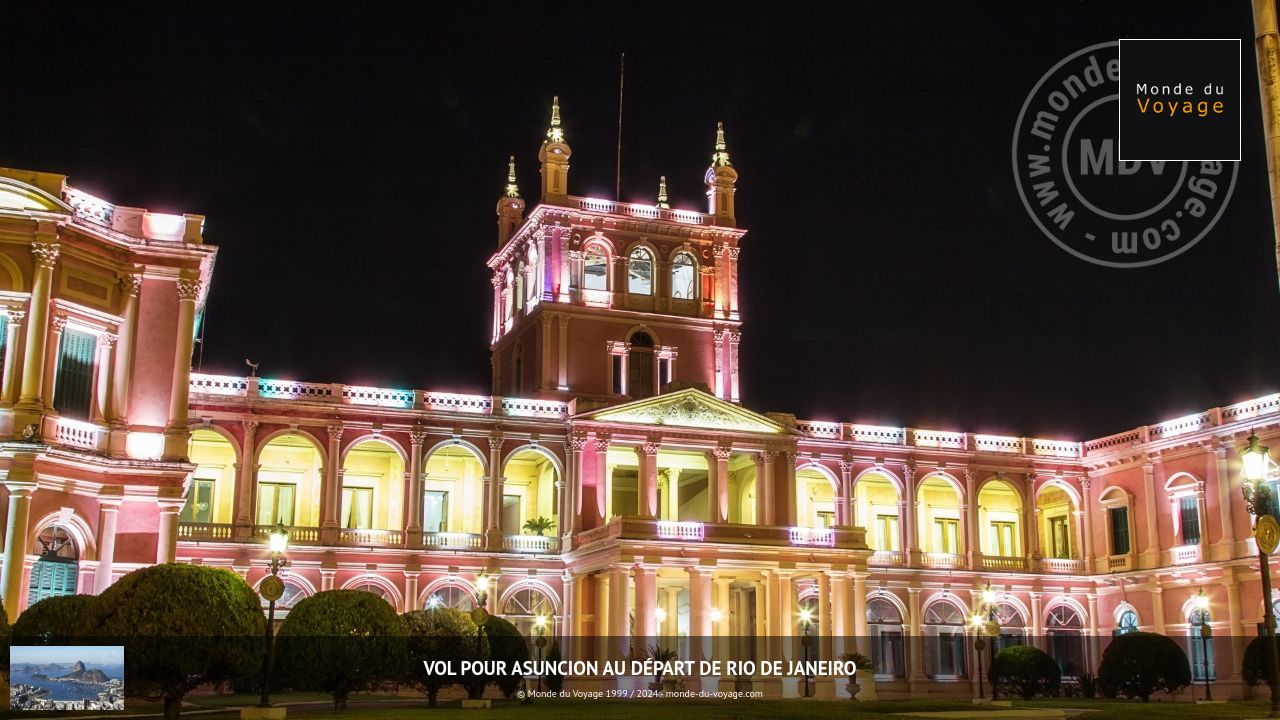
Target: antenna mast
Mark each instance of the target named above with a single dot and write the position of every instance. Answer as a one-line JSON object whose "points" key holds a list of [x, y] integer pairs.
{"points": [[617, 177]]}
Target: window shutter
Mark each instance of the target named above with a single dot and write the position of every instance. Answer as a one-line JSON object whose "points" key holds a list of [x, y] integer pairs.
{"points": [[1190, 520], [73, 389]]}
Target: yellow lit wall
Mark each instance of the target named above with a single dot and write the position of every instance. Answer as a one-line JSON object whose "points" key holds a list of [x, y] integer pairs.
{"points": [[530, 475], [876, 495], [375, 464], [938, 500], [999, 502], [814, 494], [457, 471], [293, 459], [216, 460]]}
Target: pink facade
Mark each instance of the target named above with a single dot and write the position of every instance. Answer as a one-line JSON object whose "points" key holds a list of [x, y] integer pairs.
{"points": [[674, 512]]}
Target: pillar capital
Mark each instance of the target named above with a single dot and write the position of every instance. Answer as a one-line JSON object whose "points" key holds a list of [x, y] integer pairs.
{"points": [[188, 290], [20, 489], [131, 283], [45, 254], [16, 316], [417, 436], [107, 340], [335, 433]]}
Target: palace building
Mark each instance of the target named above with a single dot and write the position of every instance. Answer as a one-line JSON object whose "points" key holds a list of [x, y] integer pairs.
{"points": [[613, 481]]}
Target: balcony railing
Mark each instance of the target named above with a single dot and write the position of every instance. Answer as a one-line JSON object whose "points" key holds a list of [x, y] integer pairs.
{"points": [[1185, 555], [1119, 563], [531, 544], [210, 388], [453, 541], [1001, 562], [205, 531], [1064, 566], [812, 536], [887, 558], [944, 561], [299, 535], [370, 538], [74, 434]]}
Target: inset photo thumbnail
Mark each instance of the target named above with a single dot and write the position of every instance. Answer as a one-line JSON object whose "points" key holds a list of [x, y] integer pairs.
{"points": [[73, 677]]}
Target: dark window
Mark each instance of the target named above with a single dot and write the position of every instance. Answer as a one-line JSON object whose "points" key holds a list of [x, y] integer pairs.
{"points": [[517, 372], [617, 374], [54, 573], [1128, 623], [1119, 530], [1190, 519], [73, 389], [640, 366]]}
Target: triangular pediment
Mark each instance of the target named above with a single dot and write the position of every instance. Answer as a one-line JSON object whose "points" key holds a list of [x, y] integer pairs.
{"points": [[689, 408]]}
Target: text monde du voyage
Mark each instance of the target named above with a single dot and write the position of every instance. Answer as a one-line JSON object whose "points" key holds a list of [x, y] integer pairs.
{"points": [[643, 668], [1177, 100]]}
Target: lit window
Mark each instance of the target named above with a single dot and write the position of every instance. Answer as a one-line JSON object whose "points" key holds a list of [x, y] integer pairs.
{"points": [[946, 535], [684, 277], [886, 537], [595, 269], [1002, 542], [275, 503], [357, 508], [640, 272]]}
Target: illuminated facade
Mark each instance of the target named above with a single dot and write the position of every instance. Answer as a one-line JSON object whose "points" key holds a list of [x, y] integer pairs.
{"points": [[670, 511]]}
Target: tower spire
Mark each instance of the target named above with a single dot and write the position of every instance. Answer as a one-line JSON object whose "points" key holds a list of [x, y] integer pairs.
{"points": [[720, 158], [554, 133], [662, 193], [512, 190]]}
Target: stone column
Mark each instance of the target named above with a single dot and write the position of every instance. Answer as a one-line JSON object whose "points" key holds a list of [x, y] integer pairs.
{"points": [[493, 525], [413, 511], [862, 640], [572, 520], [248, 480], [909, 516], [718, 339], [1079, 517], [1037, 621], [411, 590], [604, 477], [603, 630], [841, 613], [769, 460], [671, 618], [762, 628], [108, 511], [326, 578], [646, 629], [571, 587], [1222, 481], [620, 611], [56, 327], [1203, 511], [1238, 639], [647, 489], [845, 514], [15, 544], [825, 621], [1033, 521], [105, 410], [789, 487], [122, 372], [331, 490], [735, 338], [45, 256], [762, 502], [1091, 641], [1157, 609], [700, 625], [176, 432], [673, 494], [969, 511], [718, 493], [915, 653], [13, 331], [1087, 544], [167, 537], [1151, 550]]}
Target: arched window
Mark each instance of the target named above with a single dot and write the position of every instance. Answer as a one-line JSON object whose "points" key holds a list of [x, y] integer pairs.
{"points": [[684, 277], [452, 597], [640, 272], [640, 366], [1066, 640], [523, 609], [1126, 623], [884, 624], [54, 572], [944, 640], [595, 268], [370, 586], [293, 592], [1202, 665], [1013, 630]]}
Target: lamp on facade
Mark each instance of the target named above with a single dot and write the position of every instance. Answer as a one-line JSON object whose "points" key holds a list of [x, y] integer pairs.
{"points": [[716, 615], [1258, 469], [806, 621], [272, 589], [660, 615]]}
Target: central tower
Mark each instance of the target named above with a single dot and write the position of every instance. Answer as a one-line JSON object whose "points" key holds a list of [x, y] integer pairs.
{"points": [[609, 301]]}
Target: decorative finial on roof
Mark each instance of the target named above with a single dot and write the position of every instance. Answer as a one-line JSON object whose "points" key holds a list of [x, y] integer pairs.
{"points": [[554, 133], [662, 193], [512, 190], [720, 158]]}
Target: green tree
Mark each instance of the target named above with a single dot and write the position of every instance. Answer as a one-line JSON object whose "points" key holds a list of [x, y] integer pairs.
{"points": [[1025, 671], [435, 635], [340, 642], [554, 680], [52, 620], [538, 525], [507, 645], [1138, 664], [182, 626], [1256, 667]]}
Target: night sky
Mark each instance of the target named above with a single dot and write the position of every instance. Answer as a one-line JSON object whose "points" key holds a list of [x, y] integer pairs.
{"points": [[349, 161]]}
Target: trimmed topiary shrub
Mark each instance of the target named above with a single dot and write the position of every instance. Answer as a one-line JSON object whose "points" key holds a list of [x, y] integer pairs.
{"points": [[52, 620], [1026, 672], [1138, 664], [439, 635], [1256, 667], [340, 642], [506, 644], [182, 626]]}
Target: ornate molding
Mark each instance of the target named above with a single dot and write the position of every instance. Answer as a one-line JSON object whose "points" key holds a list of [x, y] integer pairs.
{"points": [[16, 316], [417, 437], [249, 425], [335, 432], [59, 323], [131, 283], [188, 289], [107, 339], [577, 442]]}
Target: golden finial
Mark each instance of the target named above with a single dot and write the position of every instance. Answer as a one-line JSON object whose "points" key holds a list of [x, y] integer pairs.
{"points": [[662, 193], [554, 133], [512, 190], [720, 158]]}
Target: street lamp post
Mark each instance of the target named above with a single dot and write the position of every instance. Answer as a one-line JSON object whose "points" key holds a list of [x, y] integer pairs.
{"points": [[984, 623], [272, 589], [541, 624], [806, 619], [479, 613], [1202, 604], [1259, 467]]}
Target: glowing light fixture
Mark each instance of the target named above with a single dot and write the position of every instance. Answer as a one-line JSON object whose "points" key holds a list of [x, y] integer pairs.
{"points": [[540, 622], [660, 614], [1255, 457], [716, 615], [806, 615], [989, 595], [279, 539]]}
